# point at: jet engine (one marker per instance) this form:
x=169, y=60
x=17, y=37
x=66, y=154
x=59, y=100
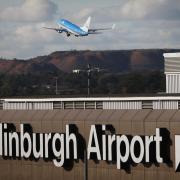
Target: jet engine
x=59, y=31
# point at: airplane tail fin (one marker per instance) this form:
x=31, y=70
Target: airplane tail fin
x=87, y=24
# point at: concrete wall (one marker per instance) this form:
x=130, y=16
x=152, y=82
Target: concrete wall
x=132, y=122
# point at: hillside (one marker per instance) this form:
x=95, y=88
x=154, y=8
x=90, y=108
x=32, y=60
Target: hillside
x=113, y=61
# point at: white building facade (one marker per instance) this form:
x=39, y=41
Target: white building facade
x=172, y=72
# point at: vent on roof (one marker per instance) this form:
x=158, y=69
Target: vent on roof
x=1, y=104
x=57, y=105
x=90, y=105
x=99, y=105
x=147, y=105
x=178, y=104
x=79, y=105
x=68, y=105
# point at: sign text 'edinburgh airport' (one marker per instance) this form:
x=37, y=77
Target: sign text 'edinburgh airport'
x=102, y=144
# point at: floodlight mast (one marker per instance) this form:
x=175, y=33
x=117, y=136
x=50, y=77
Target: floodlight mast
x=56, y=91
x=89, y=74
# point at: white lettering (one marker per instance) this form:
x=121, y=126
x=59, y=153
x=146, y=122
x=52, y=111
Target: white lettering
x=95, y=149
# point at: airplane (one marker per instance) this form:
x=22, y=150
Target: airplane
x=72, y=29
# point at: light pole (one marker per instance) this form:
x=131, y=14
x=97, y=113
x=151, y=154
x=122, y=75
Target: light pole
x=85, y=165
x=56, y=91
x=89, y=74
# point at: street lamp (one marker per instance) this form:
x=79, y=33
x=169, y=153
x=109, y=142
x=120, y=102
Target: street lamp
x=89, y=74
x=56, y=91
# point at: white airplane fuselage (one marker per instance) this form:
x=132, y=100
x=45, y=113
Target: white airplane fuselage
x=69, y=27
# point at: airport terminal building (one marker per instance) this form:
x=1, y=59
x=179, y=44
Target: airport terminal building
x=94, y=138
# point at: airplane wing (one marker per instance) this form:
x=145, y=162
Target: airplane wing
x=95, y=31
x=56, y=29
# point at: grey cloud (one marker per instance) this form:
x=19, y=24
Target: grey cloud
x=140, y=24
x=30, y=10
x=129, y=35
x=135, y=10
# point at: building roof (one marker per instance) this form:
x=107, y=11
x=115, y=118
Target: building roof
x=136, y=98
x=171, y=55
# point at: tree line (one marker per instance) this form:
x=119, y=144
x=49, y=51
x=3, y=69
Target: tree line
x=61, y=83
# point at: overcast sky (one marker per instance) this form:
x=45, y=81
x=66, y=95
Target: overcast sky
x=139, y=24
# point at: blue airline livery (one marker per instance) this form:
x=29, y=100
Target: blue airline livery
x=72, y=29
